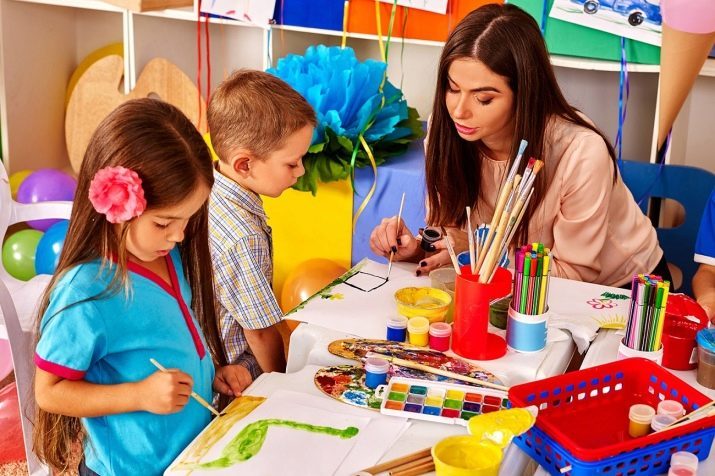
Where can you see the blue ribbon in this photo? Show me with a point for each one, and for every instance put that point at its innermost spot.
(623, 92)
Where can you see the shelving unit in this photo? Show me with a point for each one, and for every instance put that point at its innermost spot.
(43, 41)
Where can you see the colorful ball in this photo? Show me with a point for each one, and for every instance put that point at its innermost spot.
(307, 279)
(16, 180)
(49, 248)
(46, 185)
(18, 253)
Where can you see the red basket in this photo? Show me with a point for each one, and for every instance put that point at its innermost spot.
(586, 411)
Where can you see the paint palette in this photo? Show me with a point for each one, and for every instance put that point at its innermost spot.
(438, 401)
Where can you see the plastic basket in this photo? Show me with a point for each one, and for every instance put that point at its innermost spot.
(586, 412)
(649, 460)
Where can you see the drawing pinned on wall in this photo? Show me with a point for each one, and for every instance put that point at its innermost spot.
(254, 431)
(435, 6)
(638, 20)
(257, 13)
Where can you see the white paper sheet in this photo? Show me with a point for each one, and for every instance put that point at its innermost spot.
(436, 6)
(357, 312)
(259, 13)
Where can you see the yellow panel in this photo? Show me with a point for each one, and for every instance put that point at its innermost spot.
(306, 227)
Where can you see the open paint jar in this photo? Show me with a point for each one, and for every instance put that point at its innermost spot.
(426, 302)
(466, 456)
(443, 278)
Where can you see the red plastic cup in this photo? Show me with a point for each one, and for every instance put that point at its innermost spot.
(683, 319)
(470, 336)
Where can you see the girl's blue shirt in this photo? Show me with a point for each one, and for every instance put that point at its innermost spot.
(109, 340)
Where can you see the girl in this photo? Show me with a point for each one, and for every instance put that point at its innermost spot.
(495, 86)
(124, 293)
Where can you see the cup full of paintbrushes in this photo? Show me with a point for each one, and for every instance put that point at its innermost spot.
(470, 330)
(528, 311)
(646, 316)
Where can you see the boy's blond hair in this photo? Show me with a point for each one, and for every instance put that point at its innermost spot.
(256, 111)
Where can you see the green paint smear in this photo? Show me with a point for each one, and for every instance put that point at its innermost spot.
(249, 441)
(327, 290)
(608, 295)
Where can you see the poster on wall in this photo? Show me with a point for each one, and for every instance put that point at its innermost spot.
(638, 20)
(258, 13)
(435, 6)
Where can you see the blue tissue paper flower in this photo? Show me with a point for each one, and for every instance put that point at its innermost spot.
(350, 98)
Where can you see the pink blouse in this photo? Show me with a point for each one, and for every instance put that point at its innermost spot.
(593, 226)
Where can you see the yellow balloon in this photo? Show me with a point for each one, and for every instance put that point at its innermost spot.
(307, 279)
(207, 138)
(16, 179)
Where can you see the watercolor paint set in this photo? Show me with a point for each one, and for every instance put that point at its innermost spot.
(438, 401)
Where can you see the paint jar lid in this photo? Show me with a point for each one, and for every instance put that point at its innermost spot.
(440, 329)
(671, 407)
(684, 459)
(661, 421)
(376, 365)
(706, 340)
(418, 325)
(397, 322)
(641, 413)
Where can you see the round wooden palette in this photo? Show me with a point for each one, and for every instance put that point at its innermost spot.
(346, 383)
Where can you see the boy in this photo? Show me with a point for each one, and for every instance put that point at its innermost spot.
(260, 128)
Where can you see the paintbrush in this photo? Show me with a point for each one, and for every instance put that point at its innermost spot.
(423, 468)
(470, 238)
(445, 373)
(450, 250)
(195, 395)
(399, 218)
(398, 462)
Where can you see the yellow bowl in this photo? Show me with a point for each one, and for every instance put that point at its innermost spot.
(466, 456)
(431, 303)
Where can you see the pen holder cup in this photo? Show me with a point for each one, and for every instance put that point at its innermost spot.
(526, 333)
(625, 352)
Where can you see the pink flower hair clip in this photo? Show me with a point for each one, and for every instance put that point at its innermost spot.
(117, 193)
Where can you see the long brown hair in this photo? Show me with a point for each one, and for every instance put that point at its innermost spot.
(508, 41)
(160, 144)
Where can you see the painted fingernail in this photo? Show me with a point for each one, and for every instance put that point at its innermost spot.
(418, 272)
(394, 249)
(399, 242)
(423, 263)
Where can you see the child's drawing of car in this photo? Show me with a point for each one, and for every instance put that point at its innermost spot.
(637, 11)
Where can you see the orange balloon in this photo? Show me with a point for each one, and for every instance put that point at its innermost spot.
(308, 278)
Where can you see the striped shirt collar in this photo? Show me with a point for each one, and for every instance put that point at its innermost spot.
(241, 196)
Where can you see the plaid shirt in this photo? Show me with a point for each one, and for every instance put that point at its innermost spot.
(241, 251)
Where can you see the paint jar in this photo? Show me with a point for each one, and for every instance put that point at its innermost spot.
(439, 334)
(639, 417)
(418, 327)
(525, 333)
(683, 463)
(466, 455)
(670, 407)
(376, 371)
(625, 352)
(470, 336)
(397, 328)
(706, 358)
(430, 236)
(660, 422)
(426, 302)
(684, 317)
(443, 278)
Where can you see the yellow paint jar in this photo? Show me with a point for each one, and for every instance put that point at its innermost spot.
(639, 417)
(418, 327)
(426, 302)
(466, 456)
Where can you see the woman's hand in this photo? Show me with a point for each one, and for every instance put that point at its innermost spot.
(165, 392)
(391, 236)
(231, 380)
(441, 258)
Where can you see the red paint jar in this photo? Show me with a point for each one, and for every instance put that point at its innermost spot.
(439, 334)
(683, 319)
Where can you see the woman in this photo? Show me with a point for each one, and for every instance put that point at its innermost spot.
(495, 87)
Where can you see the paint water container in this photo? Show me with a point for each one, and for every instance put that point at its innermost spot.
(418, 327)
(525, 333)
(439, 334)
(660, 422)
(640, 417)
(625, 352)
(706, 358)
(376, 371)
(683, 463)
(397, 328)
(449, 457)
(670, 407)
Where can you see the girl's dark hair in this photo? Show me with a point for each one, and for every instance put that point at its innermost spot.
(508, 41)
(160, 144)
